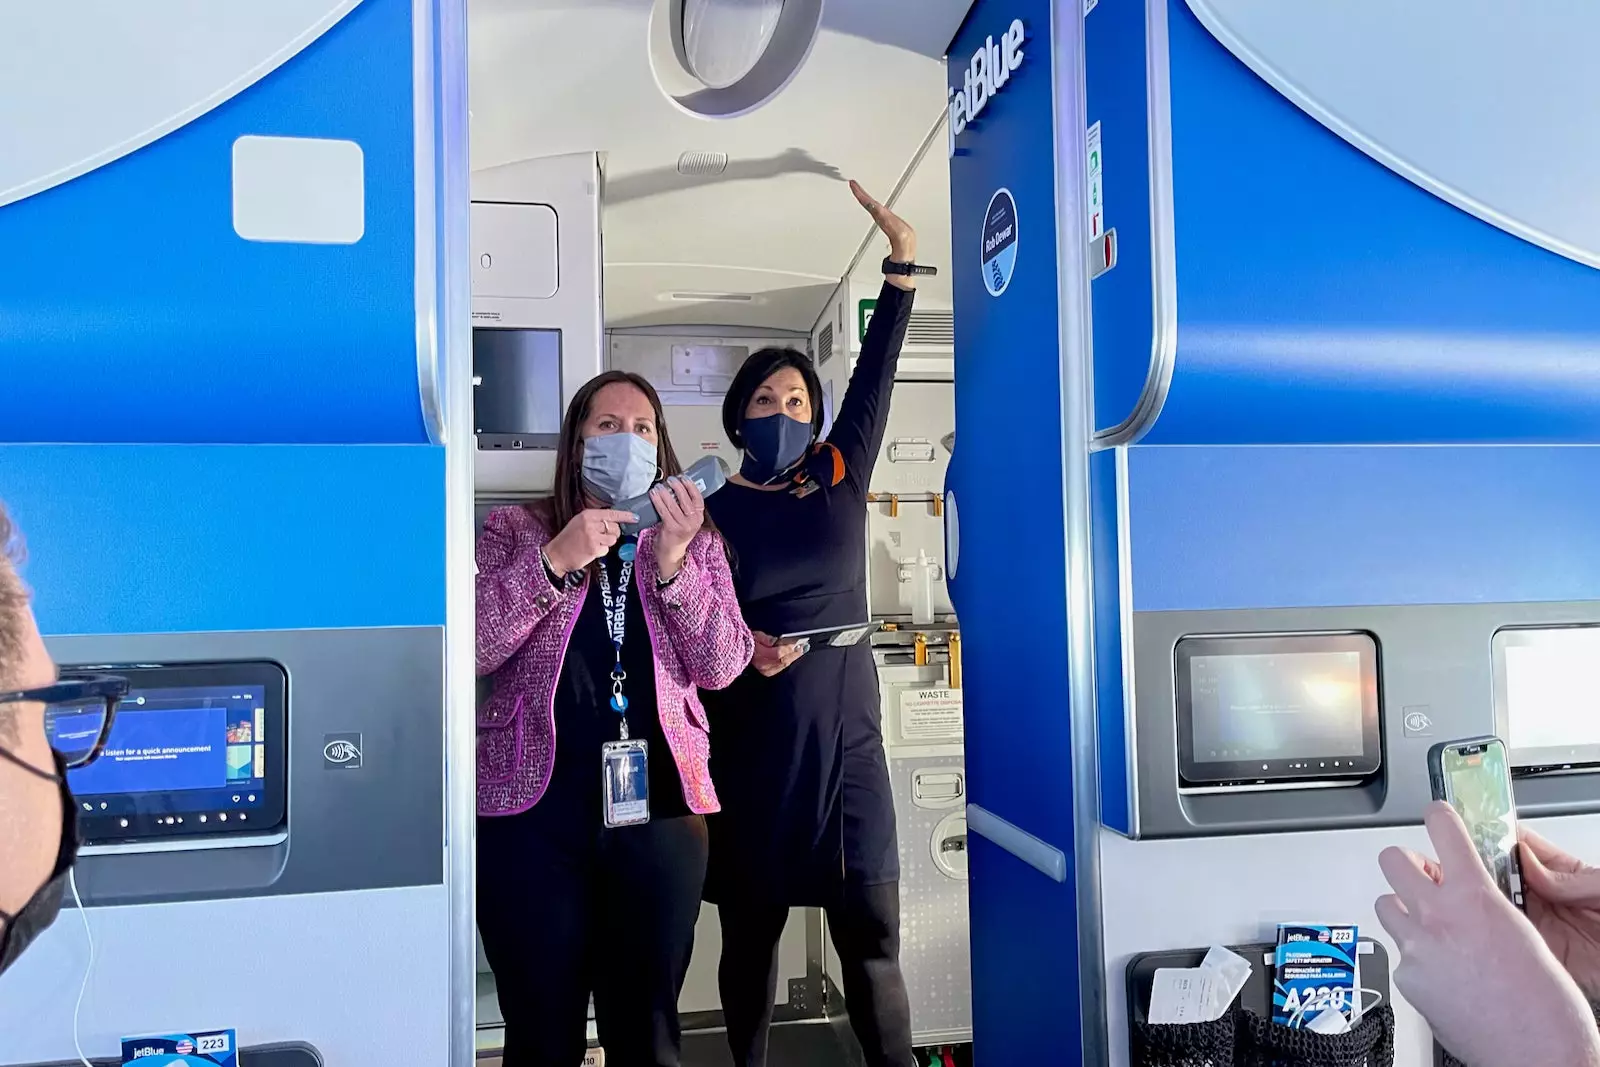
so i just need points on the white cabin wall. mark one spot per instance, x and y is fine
(568, 186)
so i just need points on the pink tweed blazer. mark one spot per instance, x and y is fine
(524, 625)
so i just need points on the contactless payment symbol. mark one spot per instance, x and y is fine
(999, 242)
(342, 751)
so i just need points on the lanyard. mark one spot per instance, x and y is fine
(617, 626)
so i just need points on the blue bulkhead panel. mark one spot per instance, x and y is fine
(185, 538)
(1320, 297)
(131, 311)
(1008, 581)
(209, 406)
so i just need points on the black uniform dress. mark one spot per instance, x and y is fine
(567, 907)
(807, 818)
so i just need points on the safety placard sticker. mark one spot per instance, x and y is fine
(930, 714)
(999, 242)
(213, 1048)
(1097, 207)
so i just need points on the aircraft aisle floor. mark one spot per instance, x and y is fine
(793, 1045)
(822, 1043)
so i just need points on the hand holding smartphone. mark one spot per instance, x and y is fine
(1474, 777)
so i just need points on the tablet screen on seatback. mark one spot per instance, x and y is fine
(196, 750)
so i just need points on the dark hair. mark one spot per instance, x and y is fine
(13, 602)
(758, 368)
(568, 496)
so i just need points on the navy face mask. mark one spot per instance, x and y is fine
(42, 908)
(773, 444)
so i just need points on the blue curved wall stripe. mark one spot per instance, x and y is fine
(131, 311)
(176, 539)
(1321, 296)
(1114, 42)
(1241, 527)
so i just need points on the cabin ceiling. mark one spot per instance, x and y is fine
(550, 77)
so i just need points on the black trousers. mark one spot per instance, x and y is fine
(865, 923)
(563, 915)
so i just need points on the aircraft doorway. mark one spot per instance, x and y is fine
(661, 188)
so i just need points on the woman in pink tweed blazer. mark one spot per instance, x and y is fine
(598, 843)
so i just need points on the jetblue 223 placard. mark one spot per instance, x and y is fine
(214, 1049)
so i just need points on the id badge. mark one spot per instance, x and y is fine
(625, 767)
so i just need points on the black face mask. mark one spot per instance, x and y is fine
(44, 906)
(773, 444)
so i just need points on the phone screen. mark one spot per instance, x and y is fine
(1478, 786)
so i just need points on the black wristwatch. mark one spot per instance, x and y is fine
(908, 269)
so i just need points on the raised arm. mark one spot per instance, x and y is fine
(514, 592)
(863, 414)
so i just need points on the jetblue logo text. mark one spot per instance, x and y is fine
(987, 73)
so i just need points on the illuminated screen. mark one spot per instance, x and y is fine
(1262, 709)
(516, 378)
(1548, 694)
(193, 750)
(1479, 784)
(1278, 705)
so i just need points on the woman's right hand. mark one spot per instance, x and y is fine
(772, 657)
(1563, 895)
(586, 538)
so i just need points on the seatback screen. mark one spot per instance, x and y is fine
(194, 750)
(1275, 708)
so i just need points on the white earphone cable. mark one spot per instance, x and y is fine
(83, 989)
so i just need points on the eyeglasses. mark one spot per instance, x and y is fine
(78, 714)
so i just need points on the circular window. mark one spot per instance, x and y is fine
(723, 40)
(724, 58)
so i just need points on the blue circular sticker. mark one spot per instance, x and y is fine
(999, 242)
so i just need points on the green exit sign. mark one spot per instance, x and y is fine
(864, 314)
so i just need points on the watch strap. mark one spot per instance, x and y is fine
(891, 266)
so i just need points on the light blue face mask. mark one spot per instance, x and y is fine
(618, 466)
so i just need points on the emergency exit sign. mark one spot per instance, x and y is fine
(864, 313)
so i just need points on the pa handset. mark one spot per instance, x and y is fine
(708, 475)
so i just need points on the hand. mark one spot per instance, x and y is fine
(683, 513)
(586, 538)
(1478, 972)
(1563, 895)
(771, 657)
(902, 238)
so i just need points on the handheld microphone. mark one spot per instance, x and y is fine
(708, 475)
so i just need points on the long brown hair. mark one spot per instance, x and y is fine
(568, 497)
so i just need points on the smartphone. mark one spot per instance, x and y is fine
(1474, 777)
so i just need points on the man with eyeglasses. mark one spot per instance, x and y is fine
(47, 726)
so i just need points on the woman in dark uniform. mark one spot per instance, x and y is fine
(796, 743)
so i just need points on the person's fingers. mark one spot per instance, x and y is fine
(763, 640)
(1394, 918)
(615, 518)
(690, 494)
(862, 198)
(1407, 876)
(1580, 887)
(1451, 842)
(1555, 859)
(680, 499)
(666, 505)
(1428, 866)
